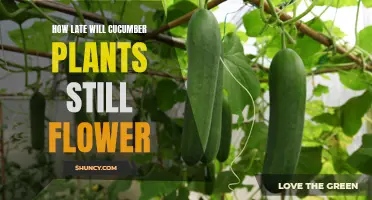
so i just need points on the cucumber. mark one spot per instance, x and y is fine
(287, 90)
(226, 131)
(202, 120)
(204, 49)
(37, 119)
(100, 117)
(214, 139)
(191, 148)
(210, 178)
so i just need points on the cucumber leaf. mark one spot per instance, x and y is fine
(238, 65)
(362, 158)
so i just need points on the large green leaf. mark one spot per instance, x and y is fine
(320, 89)
(367, 3)
(254, 25)
(178, 9)
(364, 39)
(348, 116)
(336, 31)
(38, 36)
(253, 155)
(315, 107)
(336, 3)
(355, 79)
(313, 132)
(12, 6)
(165, 94)
(327, 118)
(337, 151)
(258, 136)
(238, 65)
(353, 110)
(310, 161)
(362, 158)
(306, 47)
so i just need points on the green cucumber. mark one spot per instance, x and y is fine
(204, 49)
(203, 107)
(287, 90)
(191, 148)
(37, 120)
(214, 139)
(226, 131)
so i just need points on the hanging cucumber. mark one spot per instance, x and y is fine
(204, 49)
(37, 117)
(226, 131)
(287, 90)
(214, 139)
(191, 149)
(100, 117)
(209, 178)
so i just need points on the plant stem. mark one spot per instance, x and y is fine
(78, 12)
(262, 11)
(24, 54)
(201, 4)
(42, 12)
(272, 7)
(332, 36)
(104, 17)
(336, 65)
(295, 4)
(283, 38)
(329, 5)
(53, 20)
(13, 14)
(122, 10)
(295, 19)
(355, 30)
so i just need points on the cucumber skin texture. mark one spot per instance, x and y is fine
(214, 138)
(287, 90)
(210, 178)
(37, 119)
(191, 148)
(100, 117)
(204, 49)
(226, 132)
